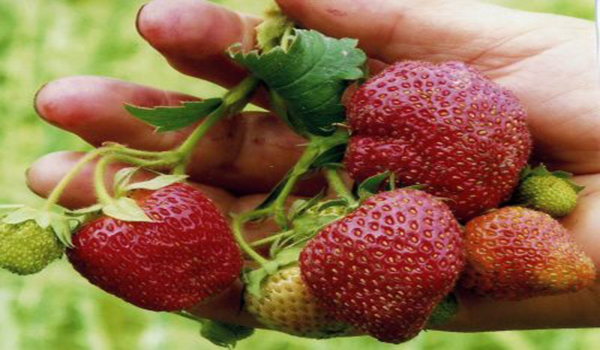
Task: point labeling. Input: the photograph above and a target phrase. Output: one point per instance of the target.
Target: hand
(548, 61)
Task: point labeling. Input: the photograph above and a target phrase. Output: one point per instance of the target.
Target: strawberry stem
(122, 150)
(302, 166)
(54, 196)
(335, 181)
(236, 226)
(99, 182)
(233, 102)
(271, 238)
(317, 146)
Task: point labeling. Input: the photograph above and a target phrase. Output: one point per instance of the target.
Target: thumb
(438, 30)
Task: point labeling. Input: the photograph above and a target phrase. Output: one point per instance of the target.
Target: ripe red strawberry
(445, 126)
(185, 256)
(516, 253)
(384, 267)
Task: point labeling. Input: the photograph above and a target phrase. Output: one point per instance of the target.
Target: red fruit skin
(517, 253)
(385, 266)
(445, 126)
(182, 258)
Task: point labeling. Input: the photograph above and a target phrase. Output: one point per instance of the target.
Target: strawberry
(516, 253)
(550, 192)
(286, 305)
(445, 126)
(182, 258)
(384, 267)
(27, 248)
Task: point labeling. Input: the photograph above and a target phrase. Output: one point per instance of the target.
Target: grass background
(41, 40)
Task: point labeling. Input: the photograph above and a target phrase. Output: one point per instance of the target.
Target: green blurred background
(41, 40)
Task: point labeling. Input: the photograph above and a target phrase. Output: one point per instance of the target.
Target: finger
(584, 222)
(246, 153)
(93, 107)
(435, 30)
(570, 310)
(194, 35)
(46, 172)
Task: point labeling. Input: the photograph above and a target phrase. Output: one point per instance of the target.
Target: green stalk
(271, 239)
(316, 147)
(103, 196)
(302, 166)
(122, 150)
(233, 102)
(335, 181)
(236, 226)
(54, 196)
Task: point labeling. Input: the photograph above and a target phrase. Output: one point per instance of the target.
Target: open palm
(548, 61)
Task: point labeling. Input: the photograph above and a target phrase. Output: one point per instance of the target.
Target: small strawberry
(445, 126)
(550, 192)
(516, 253)
(184, 257)
(286, 305)
(26, 248)
(385, 266)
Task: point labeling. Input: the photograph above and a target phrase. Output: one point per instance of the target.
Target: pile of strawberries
(443, 200)
(384, 267)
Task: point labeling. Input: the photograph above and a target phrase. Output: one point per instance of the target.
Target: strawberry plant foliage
(308, 79)
(176, 117)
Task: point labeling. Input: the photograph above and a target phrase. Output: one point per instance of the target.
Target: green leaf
(270, 31)
(21, 215)
(62, 229)
(156, 183)
(8, 208)
(253, 281)
(309, 224)
(177, 117)
(328, 149)
(301, 205)
(122, 178)
(541, 170)
(309, 78)
(87, 210)
(372, 185)
(224, 334)
(43, 219)
(330, 158)
(126, 209)
(562, 174)
(444, 311)
(275, 191)
(287, 256)
(60, 224)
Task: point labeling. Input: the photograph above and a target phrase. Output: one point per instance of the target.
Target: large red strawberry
(445, 126)
(384, 267)
(516, 253)
(185, 256)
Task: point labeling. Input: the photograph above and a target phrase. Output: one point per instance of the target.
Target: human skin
(548, 61)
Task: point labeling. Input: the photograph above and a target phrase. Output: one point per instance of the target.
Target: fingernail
(137, 21)
(35, 98)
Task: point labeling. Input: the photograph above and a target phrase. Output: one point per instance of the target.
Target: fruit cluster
(443, 200)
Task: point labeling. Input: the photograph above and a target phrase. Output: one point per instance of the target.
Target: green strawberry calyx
(542, 170)
(61, 224)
